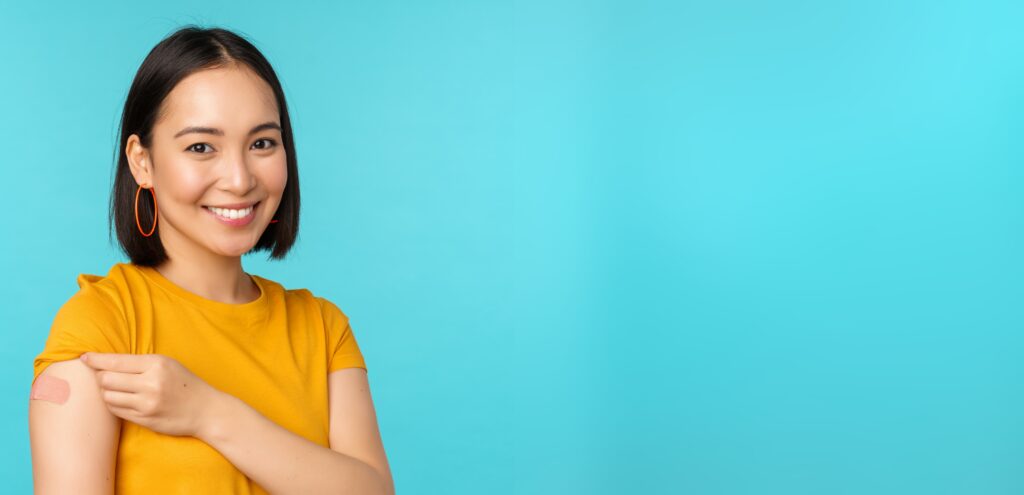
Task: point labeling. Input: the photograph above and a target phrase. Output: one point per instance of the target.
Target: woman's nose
(238, 177)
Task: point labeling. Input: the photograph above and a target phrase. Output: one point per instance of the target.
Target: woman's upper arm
(353, 421)
(74, 443)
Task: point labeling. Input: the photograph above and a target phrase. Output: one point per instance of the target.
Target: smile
(231, 214)
(235, 218)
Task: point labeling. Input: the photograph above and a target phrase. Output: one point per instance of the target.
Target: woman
(179, 372)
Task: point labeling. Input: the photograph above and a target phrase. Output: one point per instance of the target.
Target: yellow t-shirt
(274, 353)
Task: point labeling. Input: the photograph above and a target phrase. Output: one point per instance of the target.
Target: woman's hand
(154, 391)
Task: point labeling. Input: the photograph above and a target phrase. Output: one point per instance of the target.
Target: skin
(74, 444)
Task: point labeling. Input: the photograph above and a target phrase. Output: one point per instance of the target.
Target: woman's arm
(282, 462)
(74, 442)
(353, 423)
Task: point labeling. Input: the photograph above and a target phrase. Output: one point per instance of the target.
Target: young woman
(179, 372)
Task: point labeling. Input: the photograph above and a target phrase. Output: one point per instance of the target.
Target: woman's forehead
(231, 99)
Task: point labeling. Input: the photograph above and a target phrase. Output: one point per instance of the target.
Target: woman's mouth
(234, 218)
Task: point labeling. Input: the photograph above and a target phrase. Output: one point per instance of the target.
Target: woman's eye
(199, 147)
(270, 143)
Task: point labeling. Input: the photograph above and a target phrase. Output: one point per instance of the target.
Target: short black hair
(190, 49)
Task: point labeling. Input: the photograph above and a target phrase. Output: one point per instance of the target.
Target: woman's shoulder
(330, 312)
(296, 295)
(103, 291)
(91, 319)
(101, 301)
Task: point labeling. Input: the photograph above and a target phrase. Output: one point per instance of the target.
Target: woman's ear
(139, 161)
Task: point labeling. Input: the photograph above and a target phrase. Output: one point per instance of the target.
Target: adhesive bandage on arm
(51, 389)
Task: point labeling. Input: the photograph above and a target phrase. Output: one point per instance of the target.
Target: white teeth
(232, 214)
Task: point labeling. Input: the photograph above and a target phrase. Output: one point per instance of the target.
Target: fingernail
(83, 357)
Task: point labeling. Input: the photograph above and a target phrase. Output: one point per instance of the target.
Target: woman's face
(204, 153)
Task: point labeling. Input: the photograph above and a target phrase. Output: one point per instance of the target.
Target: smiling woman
(202, 378)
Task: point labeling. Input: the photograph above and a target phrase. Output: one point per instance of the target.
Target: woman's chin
(235, 250)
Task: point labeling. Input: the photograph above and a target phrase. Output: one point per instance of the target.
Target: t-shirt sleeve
(88, 321)
(342, 348)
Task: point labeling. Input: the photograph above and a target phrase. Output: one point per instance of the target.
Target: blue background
(601, 247)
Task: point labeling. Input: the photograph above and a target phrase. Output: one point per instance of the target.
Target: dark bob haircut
(188, 50)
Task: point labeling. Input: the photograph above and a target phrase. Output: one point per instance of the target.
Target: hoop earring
(155, 211)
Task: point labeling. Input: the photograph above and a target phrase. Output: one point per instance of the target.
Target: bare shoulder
(74, 437)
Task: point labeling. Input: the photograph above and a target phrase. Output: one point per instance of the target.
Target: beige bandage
(51, 388)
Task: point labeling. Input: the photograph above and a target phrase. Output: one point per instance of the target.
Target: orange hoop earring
(155, 211)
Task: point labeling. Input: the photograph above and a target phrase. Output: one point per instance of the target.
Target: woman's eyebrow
(218, 132)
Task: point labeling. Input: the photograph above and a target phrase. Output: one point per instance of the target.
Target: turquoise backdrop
(601, 247)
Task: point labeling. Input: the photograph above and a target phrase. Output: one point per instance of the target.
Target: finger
(124, 413)
(124, 363)
(115, 380)
(117, 398)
